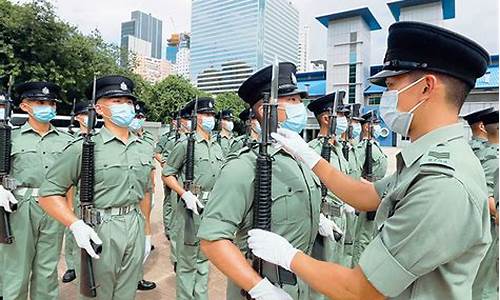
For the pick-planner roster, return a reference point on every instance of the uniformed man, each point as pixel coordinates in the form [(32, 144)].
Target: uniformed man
[(123, 167), (365, 229), (432, 214), (252, 130), (192, 265), (349, 115), (70, 248), (225, 136), (296, 196), (332, 207), (137, 127), (479, 135), (165, 145), (486, 283), (30, 263)]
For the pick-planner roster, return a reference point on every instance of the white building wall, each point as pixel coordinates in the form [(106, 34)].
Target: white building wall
[(346, 37), (429, 13), (139, 46)]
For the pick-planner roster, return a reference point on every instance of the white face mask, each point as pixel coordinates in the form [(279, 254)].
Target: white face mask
[(228, 125), (376, 130), (397, 121), (341, 126)]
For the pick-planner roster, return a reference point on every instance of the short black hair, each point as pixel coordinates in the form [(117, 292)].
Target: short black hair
[(456, 90)]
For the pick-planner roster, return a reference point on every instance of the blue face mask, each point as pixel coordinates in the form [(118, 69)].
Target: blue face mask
[(376, 131), (122, 114), (137, 124), (256, 128), (296, 117), (356, 130), (44, 113), (341, 126), (208, 123)]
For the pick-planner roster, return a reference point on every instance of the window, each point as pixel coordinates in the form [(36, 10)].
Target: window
[(374, 100), (352, 83)]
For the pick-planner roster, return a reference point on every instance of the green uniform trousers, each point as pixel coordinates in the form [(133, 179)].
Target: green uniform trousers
[(349, 232), (485, 286), (364, 234), (192, 265), (169, 221), (70, 249), (119, 267), (30, 263)]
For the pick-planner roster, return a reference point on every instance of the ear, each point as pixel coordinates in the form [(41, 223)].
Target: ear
[(24, 106), (430, 84)]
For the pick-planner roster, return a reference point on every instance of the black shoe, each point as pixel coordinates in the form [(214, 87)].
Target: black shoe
[(145, 285), (69, 276)]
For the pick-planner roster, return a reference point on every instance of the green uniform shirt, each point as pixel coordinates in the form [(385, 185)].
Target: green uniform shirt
[(336, 159), (488, 156), (477, 144), (226, 143), (149, 138), (379, 159), (122, 171), (433, 221), (162, 141), (296, 199), (33, 155), (208, 160)]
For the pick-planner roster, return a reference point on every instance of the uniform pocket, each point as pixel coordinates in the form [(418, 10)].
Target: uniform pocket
[(289, 205)]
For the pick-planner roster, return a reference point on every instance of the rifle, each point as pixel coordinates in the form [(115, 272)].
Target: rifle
[(248, 130), (368, 163), (189, 224), (7, 182), (72, 120), (88, 285), (348, 136), (326, 150), (178, 126), (263, 182)]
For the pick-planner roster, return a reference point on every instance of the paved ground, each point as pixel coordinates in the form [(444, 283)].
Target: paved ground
[(158, 267)]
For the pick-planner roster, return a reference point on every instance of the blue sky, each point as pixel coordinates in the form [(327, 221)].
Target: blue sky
[(477, 19)]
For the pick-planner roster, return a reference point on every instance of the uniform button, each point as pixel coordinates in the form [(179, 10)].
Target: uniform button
[(131, 167), (43, 152), (46, 167), (105, 166), (132, 187), (289, 189)]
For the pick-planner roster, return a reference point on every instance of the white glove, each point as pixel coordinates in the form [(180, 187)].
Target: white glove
[(327, 226), (265, 290), (6, 198), (83, 234), (147, 248), (271, 247), (192, 202), (293, 143)]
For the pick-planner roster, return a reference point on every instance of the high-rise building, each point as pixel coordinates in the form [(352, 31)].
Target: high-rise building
[(250, 33), (304, 63), (348, 51), (152, 69), (145, 27)]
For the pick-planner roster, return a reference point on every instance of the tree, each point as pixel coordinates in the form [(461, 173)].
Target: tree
[(169, 95), (36, 45), (229, 100)]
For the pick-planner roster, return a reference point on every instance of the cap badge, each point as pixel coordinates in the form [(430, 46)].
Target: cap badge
[(45, 91), (123, 86), (210, 104), (294, 79)]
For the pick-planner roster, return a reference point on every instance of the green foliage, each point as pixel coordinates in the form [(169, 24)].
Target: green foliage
[(229, 100), (35, 44), (169, 95)]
